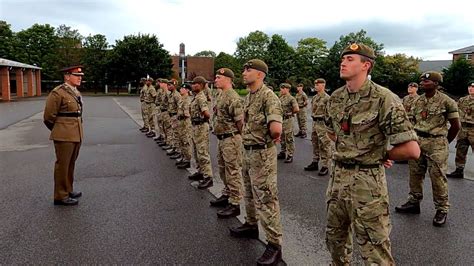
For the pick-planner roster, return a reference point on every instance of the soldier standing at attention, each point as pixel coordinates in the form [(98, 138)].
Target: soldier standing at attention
[(141, 86), (165, 117), (173, 100), (322, 145), (200, 120), (362, 118), (184, 127), (431, 114), (466, 135), (289, 107), (410, 99), (157, 112), (229, 119), (63, 116), (262, 128), (302, 100), (149, 99)]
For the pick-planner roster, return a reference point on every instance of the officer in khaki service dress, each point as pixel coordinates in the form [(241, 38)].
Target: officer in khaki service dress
[(431, 114), (362, 118), (184, 128), (229, 117), (149, 99), (289, 107), (200, 120), (63, 116), (466, 135), (302, 100), (262, 128), (322, 147)]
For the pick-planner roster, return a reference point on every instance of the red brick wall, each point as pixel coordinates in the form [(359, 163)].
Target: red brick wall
[(196, 66), (457, 56)]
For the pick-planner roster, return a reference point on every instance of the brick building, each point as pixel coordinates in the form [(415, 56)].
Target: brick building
[(466, 53), (188, 67)]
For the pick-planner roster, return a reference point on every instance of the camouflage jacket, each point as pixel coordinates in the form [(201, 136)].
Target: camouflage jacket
[(164, 100), (288, 104), (159, 98), (229, 109), (183, 106), (302, 99), (199, 104), (319, 104), (173, 100), (466, 109), (149, 94)]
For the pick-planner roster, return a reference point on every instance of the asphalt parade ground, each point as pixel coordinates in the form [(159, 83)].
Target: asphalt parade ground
[(138, 208)]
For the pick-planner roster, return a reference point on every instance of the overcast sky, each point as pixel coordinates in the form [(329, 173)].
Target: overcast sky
[(428, 29)]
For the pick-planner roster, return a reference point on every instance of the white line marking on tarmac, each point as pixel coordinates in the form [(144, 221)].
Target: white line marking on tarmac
[(13, 137)]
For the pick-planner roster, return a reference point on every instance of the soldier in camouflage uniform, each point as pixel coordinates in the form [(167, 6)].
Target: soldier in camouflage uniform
[(162, 89), (165, 117), (322, 145), (141, 85), (149, 99), (173, 100), (302, 100), (228, 125), (184, 127), (362, 118), (289, 107), (431, 114), (200, 120), (410, 99), (262, 128), (466, 135), (157, 112)]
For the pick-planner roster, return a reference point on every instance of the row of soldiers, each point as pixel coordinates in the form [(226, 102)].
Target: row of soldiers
[(359, 119)]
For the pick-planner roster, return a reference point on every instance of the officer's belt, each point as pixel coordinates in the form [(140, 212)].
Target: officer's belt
[(69, 114), (259, 146), (426, 135), (464, 124), (356, 165), (315, 119), (226, 135), (172, 114)]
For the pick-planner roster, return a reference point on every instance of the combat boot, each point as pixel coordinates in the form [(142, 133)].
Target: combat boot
[(143, 129), (179, 161), (221, 201), (313, 166), (303, 135), (171, 152), (175, 156), (409, 207), (161, 144), (184, 165), (150, 134), (324, 171), (281, 155), (196, 176), (458, 173), (271, 256), (298, 134), (230, 211), (289, 159), (206, 182), (440, 218), (246, 231)]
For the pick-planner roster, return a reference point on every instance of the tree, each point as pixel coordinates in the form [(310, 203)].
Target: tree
[(457, 76), (69, 45), (229, 61), (95, 58), (6, 41), (206, 53), (396, 71), (280, 60), (255, 45), (136, 56), (310, 54)]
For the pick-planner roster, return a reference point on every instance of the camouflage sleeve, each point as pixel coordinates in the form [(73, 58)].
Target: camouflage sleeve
[(186, 107), (305, 97), (451, 109), (273, 108), (328, 121), (294, 104), (393, 121), (236, 109), (153, 92), (202, 103)]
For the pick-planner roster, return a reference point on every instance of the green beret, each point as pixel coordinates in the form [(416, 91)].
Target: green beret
[(186, 86), (320, 80), (432, 75), (257, 64), (360, 49), (285, 85), (164, 81), (173, 82), (413, 84), (225, 72), (199, 79)]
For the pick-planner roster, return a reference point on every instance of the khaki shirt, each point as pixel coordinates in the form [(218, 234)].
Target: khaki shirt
[(260, 108), (466, 109), (302, 99), (431, 115), (149, 94), (64, 99), (199, 104), (183, 106), (319, 104), (365, 121), (173, 100), (229, 109), (288, 104)]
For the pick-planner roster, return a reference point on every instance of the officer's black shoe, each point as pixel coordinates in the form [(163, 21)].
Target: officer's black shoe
[(196, 176), (281, 155), (271, 256), (66, 202), (458, 173), (289, 159), (313, 166), (246, 230), (324, 171), (206, 182), (440, 218), (175, 156), (184, 165), (75, 194), (409, 207), (230, 211), (221, 201)]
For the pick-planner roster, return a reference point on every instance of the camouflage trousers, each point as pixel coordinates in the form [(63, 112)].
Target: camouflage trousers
[(149, 108), (156, 120), (464, 141), (288, 140), (322, 145), (434, 158), (184, 138), (357, 202), (174, 141), (166, 126), (142, 107), (201, 148), (261, 191), (301, 116), (229, 161)]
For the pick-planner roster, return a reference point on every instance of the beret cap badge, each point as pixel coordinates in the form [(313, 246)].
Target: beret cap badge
[(354, 47)]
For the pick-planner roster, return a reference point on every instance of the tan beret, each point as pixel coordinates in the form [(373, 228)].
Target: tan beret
[(257, 64), (285, 85), (320, 80), (360, 49), (432, 75), (413, 84), (199, 79), (225, 72)]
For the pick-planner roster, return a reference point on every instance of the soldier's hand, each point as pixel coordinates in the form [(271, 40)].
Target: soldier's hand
[(277, 140), (388, 163)]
